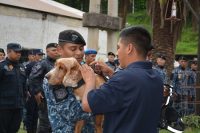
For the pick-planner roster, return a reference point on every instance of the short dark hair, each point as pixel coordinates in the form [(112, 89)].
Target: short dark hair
[(138, 36), (111, 53)]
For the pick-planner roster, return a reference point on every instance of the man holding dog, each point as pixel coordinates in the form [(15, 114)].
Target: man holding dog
[(131, 99), (63, 108)]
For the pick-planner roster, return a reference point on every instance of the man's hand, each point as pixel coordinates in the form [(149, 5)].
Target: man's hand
[(89, 78), (103, 67), (38, 98), (88, 75)]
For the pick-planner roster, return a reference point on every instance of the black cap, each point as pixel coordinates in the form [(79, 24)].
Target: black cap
[(111, 53), (162, 56), (31, 52), (71, 36), (194, 62), (50, 45), (39, 52), (2, 51), (182, 58), (14, 46)]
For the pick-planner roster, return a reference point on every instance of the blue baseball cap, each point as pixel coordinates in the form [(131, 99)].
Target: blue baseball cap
[(90, 51)]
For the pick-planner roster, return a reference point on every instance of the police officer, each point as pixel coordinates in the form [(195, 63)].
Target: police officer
[(160, 67), (31, 107), (182, 79), (39, 54), (64, 110), (111, 61), (2, 54), (12, 90), (90, 55), (36, 80)]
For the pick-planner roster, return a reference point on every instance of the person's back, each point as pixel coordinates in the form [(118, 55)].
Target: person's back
[(140, 107), (131, 99)]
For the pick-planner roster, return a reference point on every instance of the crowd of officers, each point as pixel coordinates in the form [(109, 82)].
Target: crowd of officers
[(22, 83)]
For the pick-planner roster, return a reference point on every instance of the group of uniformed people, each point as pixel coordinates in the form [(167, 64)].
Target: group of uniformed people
[(24, 86), (183, 80)]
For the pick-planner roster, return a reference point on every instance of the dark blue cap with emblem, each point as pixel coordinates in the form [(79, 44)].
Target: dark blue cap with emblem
[(39, 52), (71, 36), (14, 46), (90, 51)]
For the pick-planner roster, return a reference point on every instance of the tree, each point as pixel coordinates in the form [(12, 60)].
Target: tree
[(166, 33), (165, 37)]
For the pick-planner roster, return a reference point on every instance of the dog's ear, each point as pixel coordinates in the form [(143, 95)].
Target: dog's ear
[(73, 74)]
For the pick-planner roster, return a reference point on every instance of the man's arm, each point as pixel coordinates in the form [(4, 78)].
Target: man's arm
[(89, 78)]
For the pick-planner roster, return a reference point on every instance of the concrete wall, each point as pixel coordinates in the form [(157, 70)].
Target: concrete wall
[(35, 29)]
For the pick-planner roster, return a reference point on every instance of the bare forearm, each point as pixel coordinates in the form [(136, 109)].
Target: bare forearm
[(85, 103)]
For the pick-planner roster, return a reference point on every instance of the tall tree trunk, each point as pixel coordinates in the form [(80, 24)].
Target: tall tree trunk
[(123, 9), (164, 39)]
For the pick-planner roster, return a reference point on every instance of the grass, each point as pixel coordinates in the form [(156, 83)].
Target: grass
[(186, 45), (188, 42), (189, 130)]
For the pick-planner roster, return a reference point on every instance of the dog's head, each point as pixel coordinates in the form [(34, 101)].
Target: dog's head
[(66, 72)]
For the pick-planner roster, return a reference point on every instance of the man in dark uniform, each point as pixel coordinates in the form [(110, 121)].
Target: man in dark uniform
[(2, 54), (90, 55), (182, 80), (36, 80), (131, 99), (12, 90), (160, 67), (111, 61), (31, 107)]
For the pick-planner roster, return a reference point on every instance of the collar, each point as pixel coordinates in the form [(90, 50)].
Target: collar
[(141, 64), (51, 59), (79, 84), (12, 62)]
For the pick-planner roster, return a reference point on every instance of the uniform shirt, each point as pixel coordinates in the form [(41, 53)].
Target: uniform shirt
[(112, 65), (12, 84), (130, 101), (182, 79), (38, 72), (163, 74), (63, 108)]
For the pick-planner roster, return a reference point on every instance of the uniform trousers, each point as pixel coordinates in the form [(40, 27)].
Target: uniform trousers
[(10, 120)]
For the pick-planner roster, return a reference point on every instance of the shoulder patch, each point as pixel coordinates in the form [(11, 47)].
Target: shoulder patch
[(36, 68)]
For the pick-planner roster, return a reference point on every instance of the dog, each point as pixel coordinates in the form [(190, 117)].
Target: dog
[(67, 73)]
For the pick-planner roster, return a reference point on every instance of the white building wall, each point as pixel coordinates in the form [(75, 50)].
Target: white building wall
[(35, 30)]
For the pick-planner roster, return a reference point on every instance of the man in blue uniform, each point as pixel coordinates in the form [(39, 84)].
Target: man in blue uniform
[(90, 55), (111, 61), (35, 82), (63, 108), (12, 90), (2, 54), (160, 67), (131, 99), (182, 79)]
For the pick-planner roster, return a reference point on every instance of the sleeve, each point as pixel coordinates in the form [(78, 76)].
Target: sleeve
[(36, 77), (1, 71), (108, 98), (174, 78)]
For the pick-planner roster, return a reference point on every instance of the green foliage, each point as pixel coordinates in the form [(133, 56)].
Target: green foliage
[(139, 18), (192, 121), (188, 43)]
